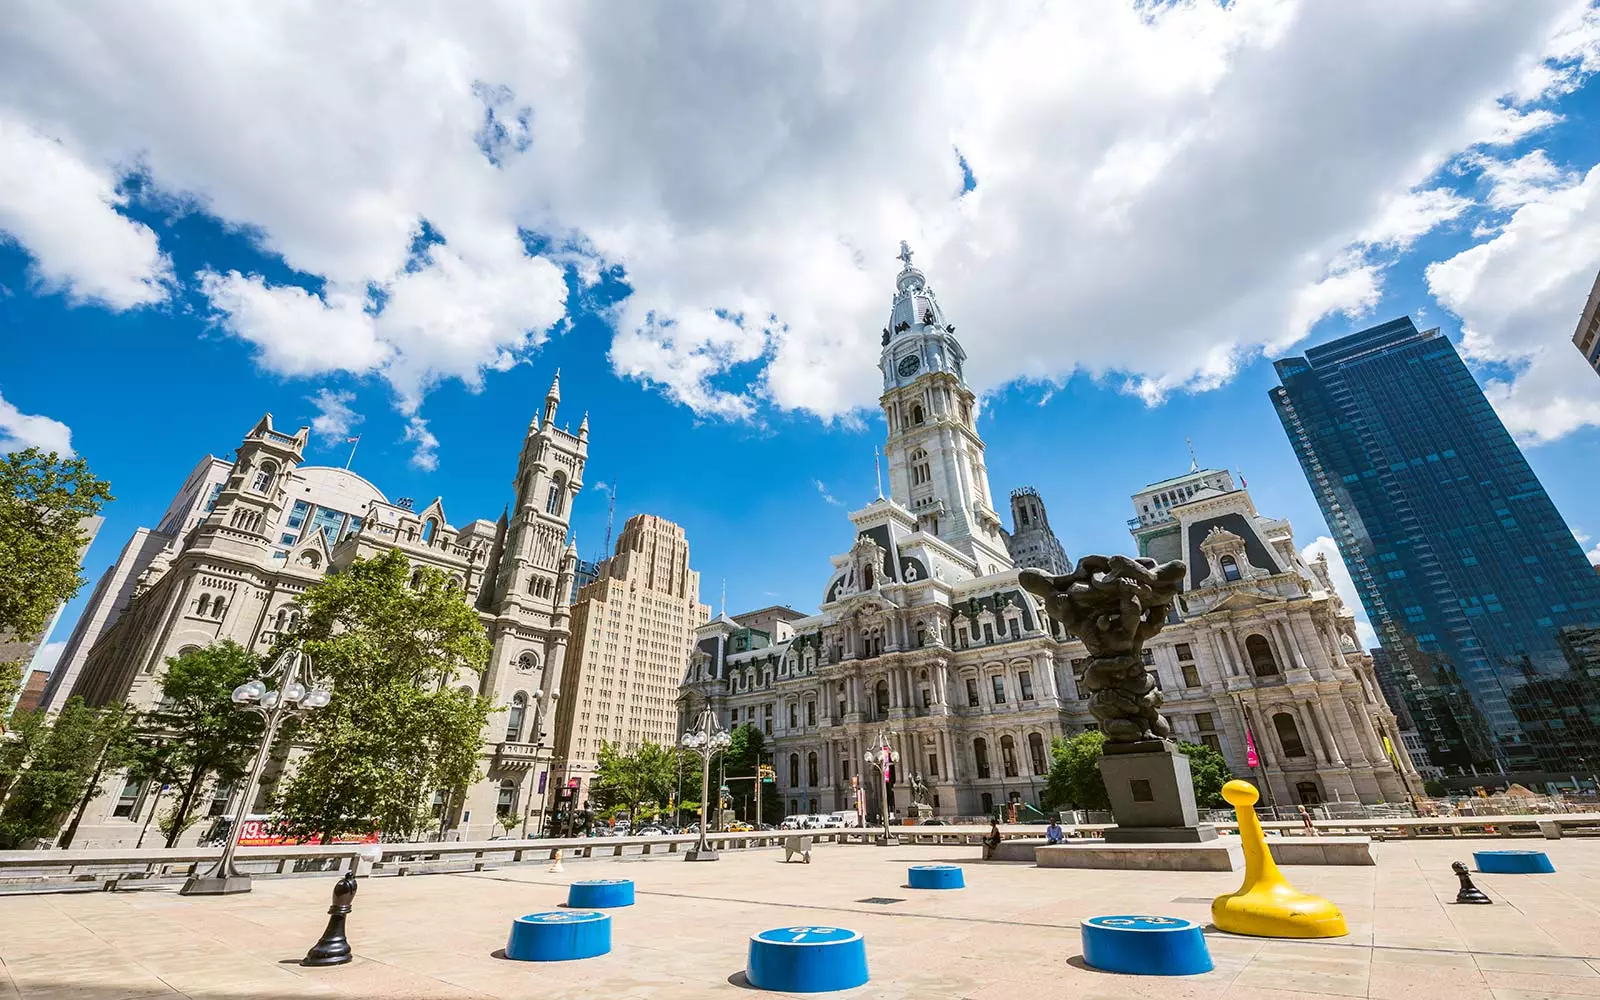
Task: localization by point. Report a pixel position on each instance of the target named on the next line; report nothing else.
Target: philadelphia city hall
(924, 634)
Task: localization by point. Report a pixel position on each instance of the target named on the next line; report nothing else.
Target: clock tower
(936, 467)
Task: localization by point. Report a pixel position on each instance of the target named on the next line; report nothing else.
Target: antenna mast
(611, 513)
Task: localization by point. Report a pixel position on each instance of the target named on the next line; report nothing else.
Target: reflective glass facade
(1466, 568)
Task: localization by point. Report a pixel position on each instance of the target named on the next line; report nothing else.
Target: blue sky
(1126, 211)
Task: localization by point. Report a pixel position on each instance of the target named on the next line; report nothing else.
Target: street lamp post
(706, 739)
(289, 697)
(884, 757)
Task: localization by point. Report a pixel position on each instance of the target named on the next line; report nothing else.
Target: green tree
(59, 768)
(748, 749)
(404, 720)
(10, 683)
(1075, 782)
(630, 778)
(44, 499)
(196, 732)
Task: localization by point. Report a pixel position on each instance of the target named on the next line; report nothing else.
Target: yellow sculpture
(1267, 905)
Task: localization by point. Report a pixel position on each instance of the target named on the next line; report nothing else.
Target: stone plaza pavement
(1012, 933)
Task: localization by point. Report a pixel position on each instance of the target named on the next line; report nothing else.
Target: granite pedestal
(1152, 795)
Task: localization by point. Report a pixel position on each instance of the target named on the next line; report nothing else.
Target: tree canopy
(44, 500)
(1075, 781)
(48, 766)
(647, 773)
(196, 732)
(404, 720)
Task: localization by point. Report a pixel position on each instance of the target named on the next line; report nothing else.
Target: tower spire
(1194, 463)
(552, 399)
(877, 468)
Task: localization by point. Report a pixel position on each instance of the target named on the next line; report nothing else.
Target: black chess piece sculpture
(1469, 893)
(334, 948)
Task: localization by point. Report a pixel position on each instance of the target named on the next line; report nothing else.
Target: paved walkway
(1011, 935)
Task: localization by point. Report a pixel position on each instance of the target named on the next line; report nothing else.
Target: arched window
(881, 695)
(294, 619)
(866, 578)
(921, 471)
(794, 770)
(1230, 568)
(218, 606)
(916, 413)
(556, 499)
(811, 769)
(980, 756)
(506, 802)
(266, 475)
(416, 579)
(811, 713)
(519, 708)
(1008, 756)
(203, 606)
(1288, 735)
(922, 640)
(428, 528)
(1036, 753)
(1259, 651)
(282, 619)
(794, 716)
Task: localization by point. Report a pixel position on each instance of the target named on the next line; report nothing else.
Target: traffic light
(768, 775)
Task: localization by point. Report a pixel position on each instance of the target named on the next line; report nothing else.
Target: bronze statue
(919, 790)
(1115, 604)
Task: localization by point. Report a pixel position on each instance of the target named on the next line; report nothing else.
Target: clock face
(909, 365)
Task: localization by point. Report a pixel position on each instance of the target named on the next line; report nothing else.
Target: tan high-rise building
(632, 629)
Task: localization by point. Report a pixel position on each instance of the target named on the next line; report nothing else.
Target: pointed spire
(1194, 463)
(551, 398)
(583, 426)
(555, 387)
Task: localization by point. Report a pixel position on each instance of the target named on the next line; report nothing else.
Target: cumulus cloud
(1518, 295)
(63, 212)
(1343, 585)
(1594, 554)
(335, 418)
(426, 457)
(19, 431)
(751, 172)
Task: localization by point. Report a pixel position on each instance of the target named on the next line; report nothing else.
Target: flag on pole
(1251, 759)
(352, 440)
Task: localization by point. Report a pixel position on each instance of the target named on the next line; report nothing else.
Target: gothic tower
(1032, 542)
(936, 467)
(250, 504)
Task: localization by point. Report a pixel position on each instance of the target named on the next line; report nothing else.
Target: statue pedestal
(917, 812)
(1152, 795)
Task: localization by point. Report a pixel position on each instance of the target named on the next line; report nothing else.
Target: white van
(842, 818)
(799, 821)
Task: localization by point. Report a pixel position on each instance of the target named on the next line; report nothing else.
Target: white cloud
(1203, 149)
(1518, 295)
(19, 431)
(1528, 178)
(426, 457)
(827, 497)
(335, 419)
(1594, 554)
(1343, 585)
(63, 212)
(47, 656)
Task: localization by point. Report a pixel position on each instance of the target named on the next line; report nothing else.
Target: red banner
(259, 832)
(1250, 757)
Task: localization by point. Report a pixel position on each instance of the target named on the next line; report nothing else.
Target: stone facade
(276, 526)
(1031, 542)
(924, 634)
(632, 626)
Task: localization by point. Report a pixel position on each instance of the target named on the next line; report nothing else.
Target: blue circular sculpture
(807, 960)
(559, 936)
(1145, 946)
(936, 877)
(600, 893)
(1513, 862)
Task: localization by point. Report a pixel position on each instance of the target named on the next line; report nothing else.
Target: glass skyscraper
(1472, 580)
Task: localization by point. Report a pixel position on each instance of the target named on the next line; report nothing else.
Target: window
(794, 770)
(506, 801)
(1008, 756)
(766, 721)
(555, 500)
(1288, 735)
(519, 707)
(265, 477)
(428, 528)
(972, 692)
(1259, 652)
(980, 756)
(1191, 676)
(1307, 792)
(961, 638)
(811, 769)
(1211, 740)
(921, 471)
(999, 689)
(128, 798)
(1014, 626)
(1025, 683)
(1036, 753)
(1182, 651)
(1205, 722)
(218, 606)
(922, 636)
(219, 799)
(933, 765)
(988, 803)
(881, 696)
(811, 713)
(988, 632)
(204, 605)
(916, 413)
(1147, 657)
(794, 716)
(1230, 568)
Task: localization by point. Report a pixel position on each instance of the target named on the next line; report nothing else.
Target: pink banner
(1250, 757)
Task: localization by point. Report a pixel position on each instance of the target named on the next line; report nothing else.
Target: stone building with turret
(923, 636)
(274, 526)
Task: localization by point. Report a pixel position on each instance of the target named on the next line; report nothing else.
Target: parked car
(934, 822)
(738, 827)
(650, 831)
